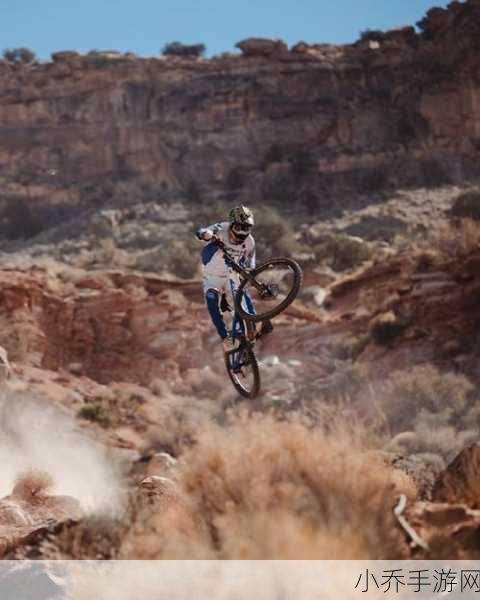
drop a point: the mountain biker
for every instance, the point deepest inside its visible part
(219, 280)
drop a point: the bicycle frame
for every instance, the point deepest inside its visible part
(237, 268)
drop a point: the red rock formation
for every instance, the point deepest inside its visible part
(408, 108)
(123, 327)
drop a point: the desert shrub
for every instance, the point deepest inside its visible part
(93, 538)
(425, 260)
(372, 181)
(19, 55)
(459, 239)
(372, 35)
(342, 252)
(19, 221)
(235, 179)
(433, 173)
(207, 214)
(193, 193)
(302, 163)
(439, 398)
(379, 227)
(466, 205)
(385, 328)
(274, 234)
(333, 499)
(179, 257)
(281, 190)
(95, 413)
(186, 50)
(275, 154)
(23, 220)
(443, 441)
(183, 259)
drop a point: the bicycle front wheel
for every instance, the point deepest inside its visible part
(274, 286)
(242, 367)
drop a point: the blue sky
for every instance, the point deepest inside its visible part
(144, 26)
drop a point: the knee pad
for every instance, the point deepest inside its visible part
(212, 295)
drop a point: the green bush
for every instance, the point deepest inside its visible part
(275, 154)
(342, 252)
(193, 193)
(23, 220)
(179, 49)
(96, 414)
(372, 35)
(19, 55)
(274, 234)
(424, 394)
(302, 163)
(385, 328)
(434, 173)
(467, 205)
(235, 179)
(183, 259)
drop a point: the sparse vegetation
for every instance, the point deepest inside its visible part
(342, 252)
(424, 390)
(21, 219)
(235, 179)
(302, 163)
(328, 508)
(371, 181)
(274, 235)
(372, 35)
(183, 259)
(385, 328)
(95, 413)
(458, 239)
(275, 154)
(467, 205)
(434, 173)
(184, 50)
(19, 56)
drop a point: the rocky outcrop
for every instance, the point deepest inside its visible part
(312, 123)
(107, 325)
(30, 508)
(262, 47)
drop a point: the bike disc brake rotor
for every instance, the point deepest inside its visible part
(275, 283)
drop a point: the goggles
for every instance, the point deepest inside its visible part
(241, 227)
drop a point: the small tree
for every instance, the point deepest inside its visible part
(372, 35)
(19, 55)
(179, 49)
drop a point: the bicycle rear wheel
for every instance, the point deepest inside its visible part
(275, 286)
(242, 367)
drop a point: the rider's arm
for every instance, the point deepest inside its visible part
(206, 233)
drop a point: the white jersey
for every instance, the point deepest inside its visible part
(212, 257)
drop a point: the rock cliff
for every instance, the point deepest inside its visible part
(309, 123)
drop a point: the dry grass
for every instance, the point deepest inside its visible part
(259, 489)
(333, 498)
(32, 484)
(423, 388)
(458, 239)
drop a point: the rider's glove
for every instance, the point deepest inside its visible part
(207, 235)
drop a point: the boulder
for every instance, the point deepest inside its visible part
(65, 56)
(262, 47)
(459, 482)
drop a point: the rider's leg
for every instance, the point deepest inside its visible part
(212, 298)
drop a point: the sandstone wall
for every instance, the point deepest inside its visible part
(306, 124)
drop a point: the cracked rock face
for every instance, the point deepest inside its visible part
(402, 111)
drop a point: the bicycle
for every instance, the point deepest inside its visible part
(270, 288)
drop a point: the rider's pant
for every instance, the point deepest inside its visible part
(213, 288)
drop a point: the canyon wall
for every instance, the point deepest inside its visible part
(316, 124)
